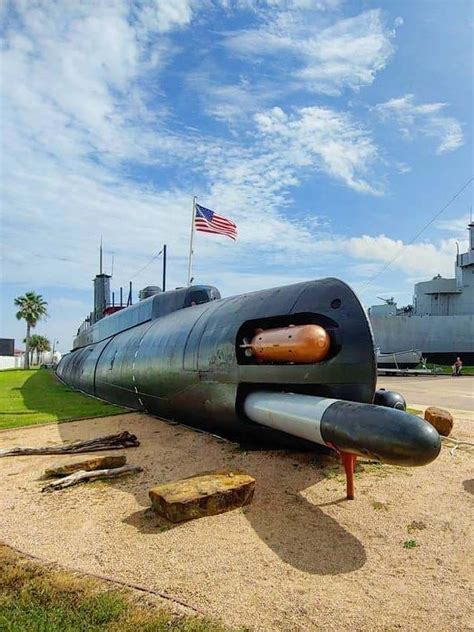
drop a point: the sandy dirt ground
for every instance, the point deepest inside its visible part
(300, 557)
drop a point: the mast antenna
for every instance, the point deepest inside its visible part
(100, 257)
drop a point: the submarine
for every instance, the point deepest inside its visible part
(294, 365)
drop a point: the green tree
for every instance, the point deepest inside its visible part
(32, 308)
(32, 347)
(38, 344)
(43, 346)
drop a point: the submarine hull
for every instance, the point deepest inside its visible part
(189, 365)
(203, 365)
(222, 366)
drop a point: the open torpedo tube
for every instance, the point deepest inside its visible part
(352, 429)
(298, 344)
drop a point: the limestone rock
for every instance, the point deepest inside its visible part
(87, 464)
(441, 419)
(205, 494)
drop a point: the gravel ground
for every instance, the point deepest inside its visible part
(299, 558)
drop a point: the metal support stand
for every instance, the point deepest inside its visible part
(349, 463)
(191, 238)
(164, 267)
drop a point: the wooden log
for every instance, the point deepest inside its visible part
(86, 464)
(83, 477)
(205, 494)
(109, 442)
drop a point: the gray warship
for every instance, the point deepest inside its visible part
(439, 323)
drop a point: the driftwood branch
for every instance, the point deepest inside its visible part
(82, 477)
(109, 442)
(457, 443)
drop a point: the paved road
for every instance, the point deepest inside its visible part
(442, 390)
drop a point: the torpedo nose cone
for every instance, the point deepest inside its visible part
(389, 435)
(416, 442)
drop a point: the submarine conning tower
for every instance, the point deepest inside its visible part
(101, 291)
(101, 295)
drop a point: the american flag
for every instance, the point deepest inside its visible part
(206, 221)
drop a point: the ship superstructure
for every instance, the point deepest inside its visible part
(440, 322)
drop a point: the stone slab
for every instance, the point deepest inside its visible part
(88, 464)
(205, 494)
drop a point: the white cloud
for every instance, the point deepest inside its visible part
(165, 15)
(321, 138)
(323, 59)
(458, 226)
(74, 119)
(70, 80)
(305, 5)
(421, 258)
(232, 101)
(313, 5)
(85, 120)
(76, 123)
(427, 119)
(350, 53)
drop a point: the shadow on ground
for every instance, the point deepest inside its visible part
(469, 485)
(39, 397)
(299, 532)
(47, 400)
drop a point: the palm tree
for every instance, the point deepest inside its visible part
(32, 308)
(33, 346)
(42, 346)
(38, 344)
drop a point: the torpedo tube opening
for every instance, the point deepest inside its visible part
(304, 338)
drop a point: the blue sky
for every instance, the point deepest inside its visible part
(329, 131)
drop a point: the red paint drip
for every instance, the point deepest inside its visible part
(349, 463)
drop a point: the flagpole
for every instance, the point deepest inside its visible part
(190, 260)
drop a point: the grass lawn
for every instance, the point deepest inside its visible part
(35, 598)
(36, 397)
(444, 369)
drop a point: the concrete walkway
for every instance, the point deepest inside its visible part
(454, 393)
